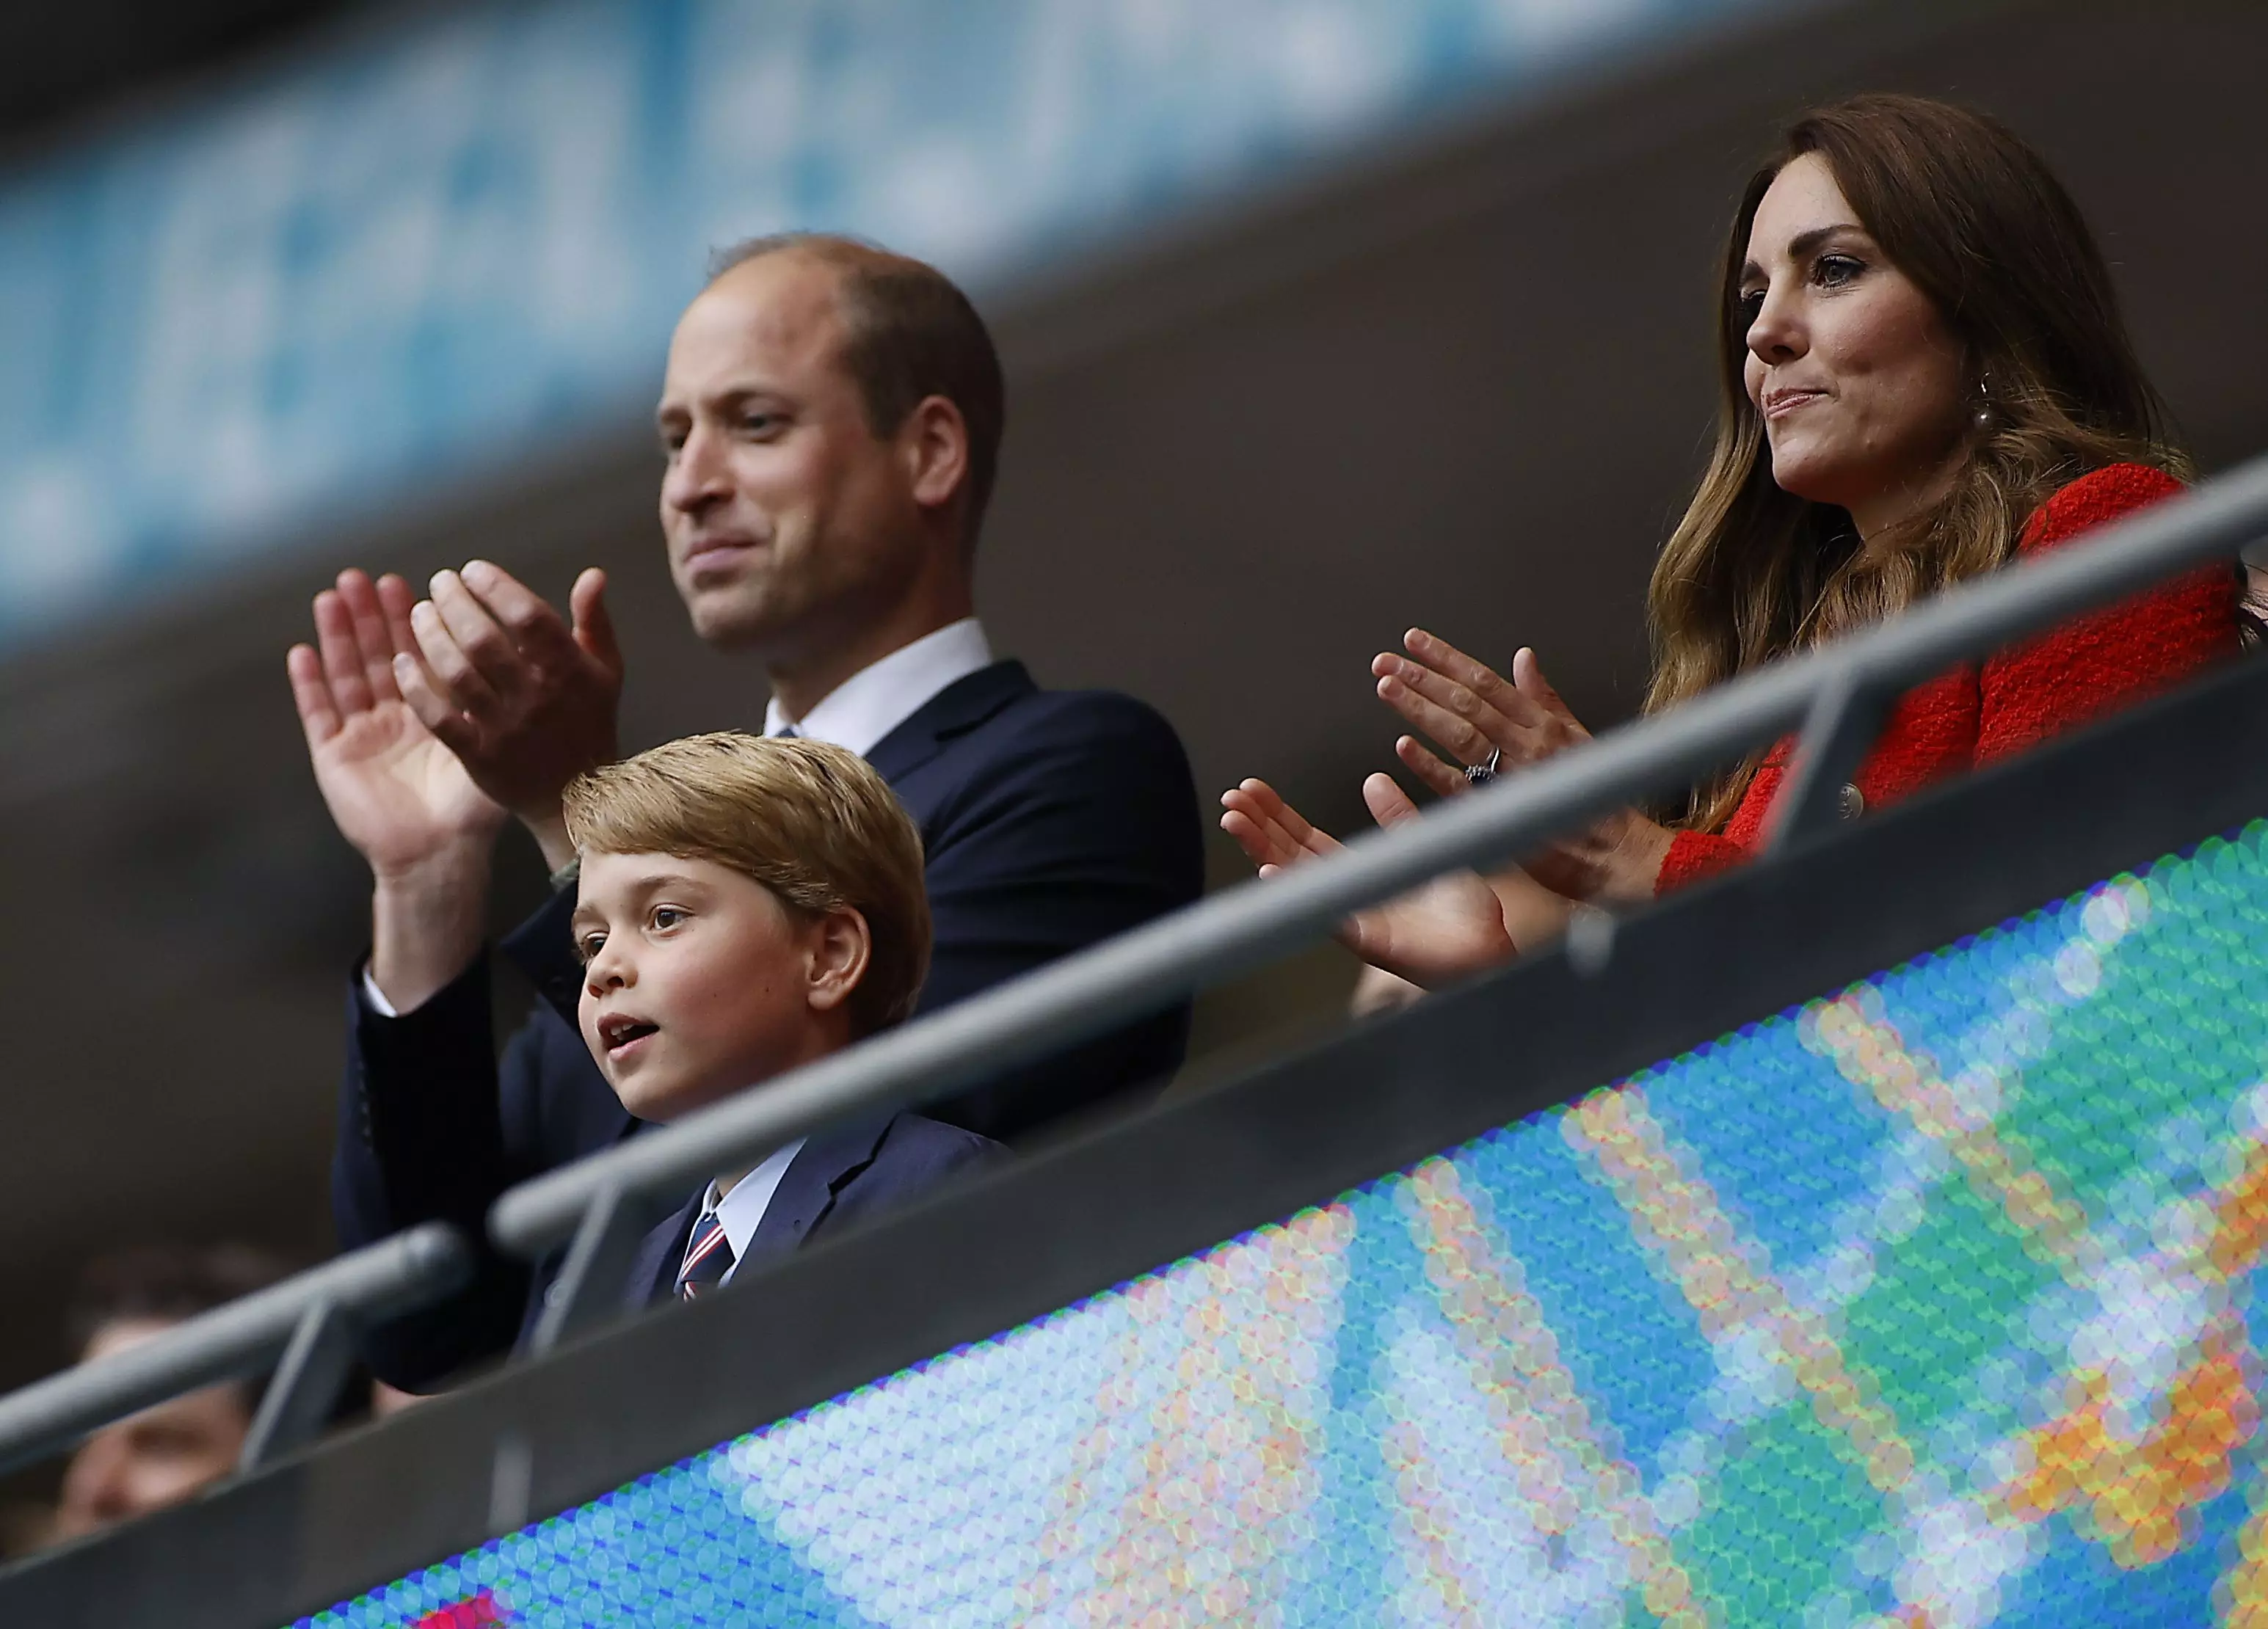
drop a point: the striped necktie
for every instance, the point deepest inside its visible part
(708, 1258)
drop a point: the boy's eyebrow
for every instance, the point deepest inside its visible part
(637, 889)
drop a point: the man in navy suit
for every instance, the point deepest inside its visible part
(831, 417)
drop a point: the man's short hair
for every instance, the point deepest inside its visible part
(167, 1284)
(164, 1284)
(910, 333)
(813, 822)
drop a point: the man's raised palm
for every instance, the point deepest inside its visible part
(396, 793)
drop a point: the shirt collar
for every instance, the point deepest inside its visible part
(742, 1209)
(857, 712)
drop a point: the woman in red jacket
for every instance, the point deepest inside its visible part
(1924, 377)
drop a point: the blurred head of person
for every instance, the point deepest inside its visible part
(745, 904)
(166, 1453)
(1917, 342)
(831, 415)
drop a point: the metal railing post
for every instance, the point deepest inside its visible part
(305, 1388)
(232, 1341)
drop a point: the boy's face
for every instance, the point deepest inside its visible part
(698, 982)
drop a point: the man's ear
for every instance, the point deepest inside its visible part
(837, 955)
(934, 440)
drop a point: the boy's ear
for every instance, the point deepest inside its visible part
(838, 950)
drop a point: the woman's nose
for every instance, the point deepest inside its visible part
(1776, 331)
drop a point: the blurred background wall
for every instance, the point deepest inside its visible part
(1322, 317)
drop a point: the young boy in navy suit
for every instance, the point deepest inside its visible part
(746, 905)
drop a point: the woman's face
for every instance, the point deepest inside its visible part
(1860, 385)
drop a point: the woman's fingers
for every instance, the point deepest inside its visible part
(1270, 831)
(1443, 779)
(1438, 683)
(1465, 730)
(1388, 802)
(1429, 650)
(1268, 805)
(1252, 837)
(1262, 838)
(1528, 679)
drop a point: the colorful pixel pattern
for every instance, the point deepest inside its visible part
(1928, 1303)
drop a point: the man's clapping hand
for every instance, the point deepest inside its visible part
(397, 794)
(525, 702)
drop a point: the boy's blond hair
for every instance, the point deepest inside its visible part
(809, 821)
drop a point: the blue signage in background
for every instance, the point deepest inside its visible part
(427, 252)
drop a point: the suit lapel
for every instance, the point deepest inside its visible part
(654, 1272)
(952, 711)
(818, 1172)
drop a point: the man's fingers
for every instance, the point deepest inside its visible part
(396, 601)
(532, 627)
(487, 651)
(1445, 780)
(459, 684)
(594, 628)
(449, 726)
(341, 653)
(359, 595)
(310, 694)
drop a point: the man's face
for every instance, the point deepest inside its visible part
(157, 1457)
(697, 981)
(790, 524)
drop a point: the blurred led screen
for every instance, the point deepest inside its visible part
(1926, 1303)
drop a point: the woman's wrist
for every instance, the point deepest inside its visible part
(1623, 858)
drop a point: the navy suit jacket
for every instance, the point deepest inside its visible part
(836, 1179)
(1050, 820)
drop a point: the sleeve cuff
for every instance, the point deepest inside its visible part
(1693, 856)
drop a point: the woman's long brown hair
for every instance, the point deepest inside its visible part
(1969, 213)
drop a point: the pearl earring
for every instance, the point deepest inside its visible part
(1983, 401)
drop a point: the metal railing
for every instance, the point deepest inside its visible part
(307, 1322)
(1838, 696)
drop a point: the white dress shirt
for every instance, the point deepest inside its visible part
(857, 712)
(742, 1209)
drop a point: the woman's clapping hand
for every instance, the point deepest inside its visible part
(1451, 927)
(1473, 713)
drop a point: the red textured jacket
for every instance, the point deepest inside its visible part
(1974, 715)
